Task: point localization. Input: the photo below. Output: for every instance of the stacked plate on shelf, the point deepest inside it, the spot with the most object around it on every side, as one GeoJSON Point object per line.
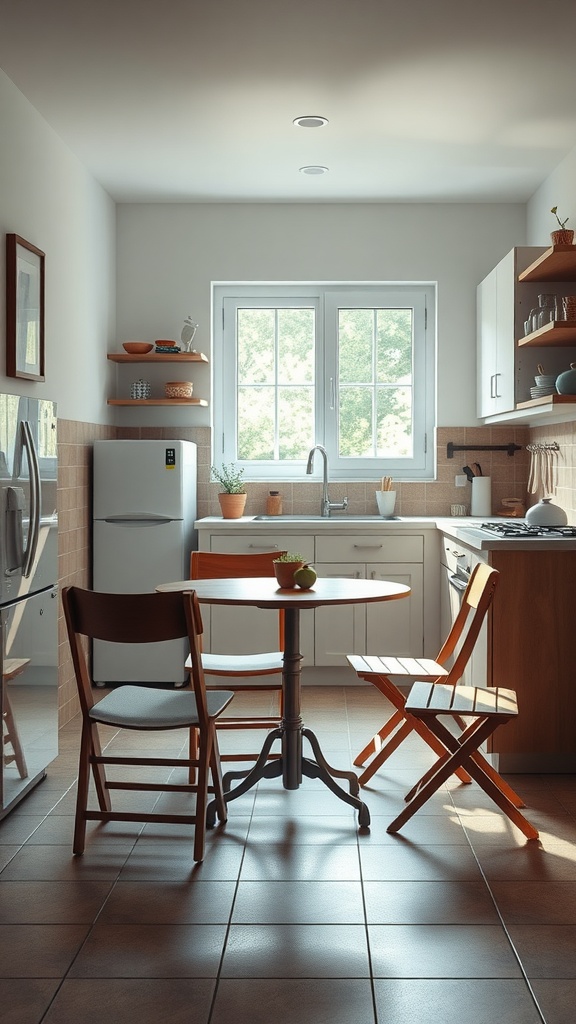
{"type": "Point", "coordinates": [545, 384]}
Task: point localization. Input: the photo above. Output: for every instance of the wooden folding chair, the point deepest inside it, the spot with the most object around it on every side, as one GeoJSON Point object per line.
{"type": "Point", "coordinates": [143, 618]}
{"type": "Point", "coordinates": [448, 667]}
{"type": "Point", "coordinates": [242, 672]}
{"type": "Point", "coordinates": [484, 710]}
{"type": "Point", "coordinates": [12, 668]}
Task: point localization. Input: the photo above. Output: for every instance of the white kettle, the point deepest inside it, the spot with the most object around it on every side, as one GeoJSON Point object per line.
{"type": "Point", "coordinates": [545, 513]}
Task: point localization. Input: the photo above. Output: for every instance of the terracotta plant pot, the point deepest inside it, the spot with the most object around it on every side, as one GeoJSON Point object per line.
{"type": "Point", "coordinates": [562, 237]}
{"type": "Point", "coordinates": [232, 505]}
{"type": "Point", "coordinates": [284, 572]}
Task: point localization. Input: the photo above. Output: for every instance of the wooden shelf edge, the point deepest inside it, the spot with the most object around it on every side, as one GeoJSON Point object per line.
{"type": "Point", "coordinates": [556, 333]}
{"type": "Point", "coordinates": [157, 401]}
{"type": "Point", "coordinates": [157, 357]}
{"type": "Point", "coordinates": [558, 263]}
{"type": "Point", "coordinates": [550, 400]}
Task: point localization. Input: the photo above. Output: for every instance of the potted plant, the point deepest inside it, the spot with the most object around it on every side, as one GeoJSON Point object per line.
{"type": "Point", "coordinates": [563, 236]}
{"type": "Point", "coordinates": [284, 568]}
{"type": "Point", "coordinates": [232, 497]}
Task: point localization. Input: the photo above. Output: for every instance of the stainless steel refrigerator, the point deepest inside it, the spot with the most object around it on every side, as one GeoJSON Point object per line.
{"type": "Point", "coordinates": [143, 532]}
{"type": "Point", "coordinates": [28, 594]}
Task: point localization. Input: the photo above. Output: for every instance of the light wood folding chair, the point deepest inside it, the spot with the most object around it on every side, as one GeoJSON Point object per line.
{"type": "Point", "coordinates": [242, 672]}
{"type": "Point", "coordinates": [143, 618]}
{"type": "Point", "coordinates": [386, 672]}
{"type": "Point", "coordinates": [484, 709]}
{"type": "Point", "coordinates": [10, 738]}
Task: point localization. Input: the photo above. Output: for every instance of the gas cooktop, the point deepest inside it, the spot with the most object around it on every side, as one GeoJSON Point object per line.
{"type": "Point", "coordinates": [523, 530]}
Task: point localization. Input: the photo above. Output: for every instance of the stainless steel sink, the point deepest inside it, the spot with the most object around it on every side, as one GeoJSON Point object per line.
{"type": "Point", "coordinates": [338, 520]}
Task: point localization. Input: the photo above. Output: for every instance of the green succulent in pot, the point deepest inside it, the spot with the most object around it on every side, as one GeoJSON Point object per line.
{"type": "Point", "coordinates": [230, 478]}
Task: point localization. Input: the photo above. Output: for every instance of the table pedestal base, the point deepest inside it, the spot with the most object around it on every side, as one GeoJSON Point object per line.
{"type": "Point", "coordinates": [292, 769]}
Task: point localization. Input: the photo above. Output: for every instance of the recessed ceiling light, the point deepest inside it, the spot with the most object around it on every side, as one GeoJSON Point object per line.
{"type": "Point", "coordinates": [313, 169]}
{"type": "Point", "coordinates": [310, 121]}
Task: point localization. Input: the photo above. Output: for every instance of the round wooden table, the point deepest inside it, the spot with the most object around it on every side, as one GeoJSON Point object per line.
{"type": "Point", "coordinates": [263, 592]}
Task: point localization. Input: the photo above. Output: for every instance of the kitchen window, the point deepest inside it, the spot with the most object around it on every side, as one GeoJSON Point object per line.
{"type": "Point", "coordinates": [351, 367]}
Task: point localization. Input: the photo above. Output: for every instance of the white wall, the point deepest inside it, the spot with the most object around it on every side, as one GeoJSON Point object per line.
{"type": "Point", "coordinates": [48, 198]}
{"type": "Point", "coordinates": [169, 254]}
{"type": "Point", "coordinates": [558, 189]}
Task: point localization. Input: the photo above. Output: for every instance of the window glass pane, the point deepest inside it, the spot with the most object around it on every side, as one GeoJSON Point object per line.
{"type": "Point", "coordinates": [394, 346]}
{"type": "Point", "coordinates": [356, 423]}
{"type": "Point", "coordinates": [355, 344]}
{"type": "Point", "coordinates": [296, 330]}
{"type": "Point", "coordinates": [296, 419]}
{"type": "Point", "coordinates": [394, 423]}
{"type": "Point", "coordinates": [256, 417]}
{"type": "Point", "coordinates": [255, 346]}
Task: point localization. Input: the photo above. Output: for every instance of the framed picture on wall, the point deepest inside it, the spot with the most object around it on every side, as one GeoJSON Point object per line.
{"type": "Point", "coordinates": [24, 309]}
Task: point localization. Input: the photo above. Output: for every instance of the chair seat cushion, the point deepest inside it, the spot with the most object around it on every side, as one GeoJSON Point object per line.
{"type": "Point", "coordinates": [142, 707]}
{"type": "Point", "coordinates": [240, 664]}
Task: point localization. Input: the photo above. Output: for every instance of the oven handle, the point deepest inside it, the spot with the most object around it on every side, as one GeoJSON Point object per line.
{"type": "Point", "coordinates": [458, 582]}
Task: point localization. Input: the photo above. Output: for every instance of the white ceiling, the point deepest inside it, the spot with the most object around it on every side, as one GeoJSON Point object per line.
{"type": "Point", "coordinates": [427, 100]}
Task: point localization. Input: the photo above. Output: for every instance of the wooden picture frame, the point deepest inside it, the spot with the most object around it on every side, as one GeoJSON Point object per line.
{"type": "Point", "coordinates": [24, 309]}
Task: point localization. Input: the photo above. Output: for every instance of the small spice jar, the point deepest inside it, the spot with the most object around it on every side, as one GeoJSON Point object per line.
{"type": "Point", "coordinates": [274, 504]}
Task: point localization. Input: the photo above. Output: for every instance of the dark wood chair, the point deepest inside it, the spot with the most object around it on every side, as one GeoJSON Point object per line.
{"type": "Point", "coordinates": [242, 672]}
{"type": "Point", "coordinates": [143, 618]}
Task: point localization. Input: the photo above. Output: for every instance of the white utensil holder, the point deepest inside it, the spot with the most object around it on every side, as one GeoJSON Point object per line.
{"type": "Point", "coordinates": [481, 502]}
{"type": "Point", "coordinates": [386, 500]}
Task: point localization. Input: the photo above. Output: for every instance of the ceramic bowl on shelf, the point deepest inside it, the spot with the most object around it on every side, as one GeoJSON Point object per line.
{"type": "Point", "coordinates": [137, 348]}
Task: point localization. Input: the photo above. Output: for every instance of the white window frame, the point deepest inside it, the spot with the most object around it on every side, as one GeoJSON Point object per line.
{"type": "Point", "coordinates": [327, 299]}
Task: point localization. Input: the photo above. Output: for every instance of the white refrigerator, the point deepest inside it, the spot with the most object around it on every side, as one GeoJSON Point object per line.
{"type": "Point", "coordinates": [28, 594]}
{"type": "Point", "coordinates": [144, 508]}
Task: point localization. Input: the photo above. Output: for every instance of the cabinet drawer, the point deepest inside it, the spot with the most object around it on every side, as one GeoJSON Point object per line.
{"type": "Point", "coordinates": [370, 548]}
{"type": "Point", "coordinates": [251, 543]}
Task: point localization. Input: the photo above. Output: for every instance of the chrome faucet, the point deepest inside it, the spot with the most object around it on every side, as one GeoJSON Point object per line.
{"type": "Point", "coordinates": [327, 505]}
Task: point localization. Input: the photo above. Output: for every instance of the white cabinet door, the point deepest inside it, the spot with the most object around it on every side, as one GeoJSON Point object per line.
{"type": "Point", "coordinates": [496, 339]}
{"type": "Point", "coordinates": [340, 629]}
{"type": "Point", "coordinates": [392, 627]}
{"type": "Point", "coordinates": [397, 627]}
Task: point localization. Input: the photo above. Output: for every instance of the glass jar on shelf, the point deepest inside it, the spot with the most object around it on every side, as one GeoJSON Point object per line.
{"type": "Point", "coordinates": [546, 309]}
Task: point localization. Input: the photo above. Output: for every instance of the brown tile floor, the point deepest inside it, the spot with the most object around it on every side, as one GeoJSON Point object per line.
{"type": "Point", "coordinates": [294, 918]}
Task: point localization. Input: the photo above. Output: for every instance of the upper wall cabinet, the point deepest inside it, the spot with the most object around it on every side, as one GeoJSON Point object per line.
{"type": "Point", "coordinates": [508, 358]}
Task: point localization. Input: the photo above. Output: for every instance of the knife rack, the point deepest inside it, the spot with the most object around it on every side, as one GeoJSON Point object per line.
{"type": "Point", "coordinates": [510, 448]}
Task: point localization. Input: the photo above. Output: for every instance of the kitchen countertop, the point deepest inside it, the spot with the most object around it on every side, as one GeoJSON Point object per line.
{"type": "Point", "coordinates": [462, 528]}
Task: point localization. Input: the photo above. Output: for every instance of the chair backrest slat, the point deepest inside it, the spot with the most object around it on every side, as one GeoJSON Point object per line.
{"type": "Point", "coordinates": [465, 630]}
{"type": "Point", "coordinates": [210, 565]}
{"type": "Point", "coordinates": [131, 619]}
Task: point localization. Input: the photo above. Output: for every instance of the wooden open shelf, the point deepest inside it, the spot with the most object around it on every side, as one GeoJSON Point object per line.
{"type": "Point", "coordinates": [158, 357]}
{"type": "Point", "coordinates": [557, 333]}
{"type": "Point", "coordinates": [157, 401]}
{"type": "Point", "coordinates": [558, 263]}
{"type": "Point", "coordinates": [550, 400]}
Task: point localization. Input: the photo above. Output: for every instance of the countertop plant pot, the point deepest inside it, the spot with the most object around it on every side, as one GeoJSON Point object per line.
{"type": "Point", "coordinates": [232, 505]}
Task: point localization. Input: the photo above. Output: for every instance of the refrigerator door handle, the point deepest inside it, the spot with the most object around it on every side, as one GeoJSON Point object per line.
{"type": "Point", "coordinates": [34, 522]}
{"type": "Point", "coordinates": [139, 519]}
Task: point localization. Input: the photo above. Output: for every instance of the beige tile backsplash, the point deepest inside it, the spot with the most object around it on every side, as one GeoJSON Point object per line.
{"type": "Point", "coordinates": [509, 480]}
